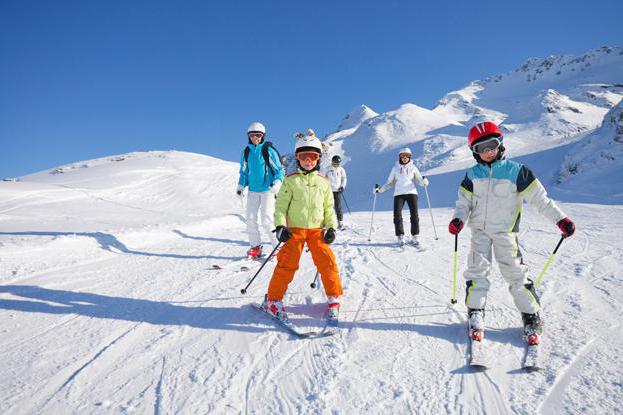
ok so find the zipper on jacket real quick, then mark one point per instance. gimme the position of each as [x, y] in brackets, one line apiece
[484, 225]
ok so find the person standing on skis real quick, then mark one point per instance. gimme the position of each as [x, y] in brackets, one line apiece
[402, 178]
[490, 197]
[304, 206]
[261, 171]
[337, 176]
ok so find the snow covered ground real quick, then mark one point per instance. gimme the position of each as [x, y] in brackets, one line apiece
[108, 305]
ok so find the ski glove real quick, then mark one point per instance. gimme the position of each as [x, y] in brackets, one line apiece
[425, 181]
[282, 233]
[455, 226]
[341, 189]
[274, 189]
[240, 190]
[567, 227]
[329, 235]
[377, 188]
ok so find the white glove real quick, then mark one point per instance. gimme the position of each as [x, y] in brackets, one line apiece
[274, 189]
[425, 181]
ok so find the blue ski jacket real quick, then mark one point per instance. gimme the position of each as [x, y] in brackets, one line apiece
[254, 172]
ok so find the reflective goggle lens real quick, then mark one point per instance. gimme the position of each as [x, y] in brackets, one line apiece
[486, 146]
[255, 135]
[307, 155]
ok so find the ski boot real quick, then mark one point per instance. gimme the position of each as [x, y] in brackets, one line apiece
[333, 310]
[275, 309]
[401, 240]
[415, 241]
[476, 319]
[254, 252]
[532, 327]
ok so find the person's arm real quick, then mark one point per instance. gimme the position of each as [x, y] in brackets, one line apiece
[284, 197]
[531, 190]
[275, 165]
[243, 174]
[465, 199]
[344, 179]
[391, 181]
[419, 179]
[330, 220]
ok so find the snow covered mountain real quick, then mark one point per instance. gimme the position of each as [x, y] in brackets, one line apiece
[543, 104]
[597, 161]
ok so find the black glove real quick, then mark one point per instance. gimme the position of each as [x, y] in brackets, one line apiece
[238, 192]
[341, 189]
[282, 233]
[377, 188]
[566, 226]
[329, 235]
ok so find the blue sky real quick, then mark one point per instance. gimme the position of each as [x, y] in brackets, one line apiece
[87, 79]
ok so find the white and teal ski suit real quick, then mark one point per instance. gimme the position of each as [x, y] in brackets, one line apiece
[490, 200]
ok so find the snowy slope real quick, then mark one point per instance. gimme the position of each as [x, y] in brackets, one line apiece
[108, 305]
[597, 161]
[543, 104]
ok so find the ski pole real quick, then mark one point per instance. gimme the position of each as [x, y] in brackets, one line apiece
[313, 284]
[372, 219]
[244, 290]
[346, 203]
[456, 249]
[431, 212]
[549, 261]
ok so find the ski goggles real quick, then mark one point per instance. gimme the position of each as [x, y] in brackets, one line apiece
[490, 144]
[307, 156]
[256, 135]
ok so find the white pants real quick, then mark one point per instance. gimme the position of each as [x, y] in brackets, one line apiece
[506, 249]
[264, 203]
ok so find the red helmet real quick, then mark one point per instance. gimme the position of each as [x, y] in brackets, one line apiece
[483, 130]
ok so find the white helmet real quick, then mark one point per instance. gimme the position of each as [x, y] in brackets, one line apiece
[256, 127]
[405, 150]
[308, 143]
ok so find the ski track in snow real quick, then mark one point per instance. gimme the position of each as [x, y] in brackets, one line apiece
[148, 333]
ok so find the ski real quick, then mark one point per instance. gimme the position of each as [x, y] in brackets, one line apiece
[291, 328]
[532, 362]
[478, 351]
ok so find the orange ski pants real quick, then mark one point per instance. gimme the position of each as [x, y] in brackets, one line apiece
[288, 262]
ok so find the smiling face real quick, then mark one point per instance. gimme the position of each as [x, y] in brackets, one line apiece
[255, 137]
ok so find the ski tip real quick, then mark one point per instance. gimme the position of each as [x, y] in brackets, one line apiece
[532, 369]
[215, 266]
[478, 367]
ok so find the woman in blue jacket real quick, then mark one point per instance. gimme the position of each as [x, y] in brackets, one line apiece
[262, 172]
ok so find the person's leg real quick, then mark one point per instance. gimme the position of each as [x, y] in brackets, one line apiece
[325, 262]
[337, 204]
[287, 264]
[415, 220]
[515, 272]
[253, 229]
[267, 209]
[478, 270]
[399, 201]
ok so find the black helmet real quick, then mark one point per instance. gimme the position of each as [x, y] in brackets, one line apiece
[336, 160]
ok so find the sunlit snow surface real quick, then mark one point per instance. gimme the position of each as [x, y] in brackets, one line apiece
[108, 305]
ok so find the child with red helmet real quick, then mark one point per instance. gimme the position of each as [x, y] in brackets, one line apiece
[491, 197]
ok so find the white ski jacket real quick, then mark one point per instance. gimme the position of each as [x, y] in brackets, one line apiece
[491, 197]
[402, 177]
[337, 177]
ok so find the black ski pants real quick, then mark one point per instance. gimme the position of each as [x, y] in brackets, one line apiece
[337, 205]
[399, 201]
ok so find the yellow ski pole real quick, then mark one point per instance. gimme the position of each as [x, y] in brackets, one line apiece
[549, 261]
